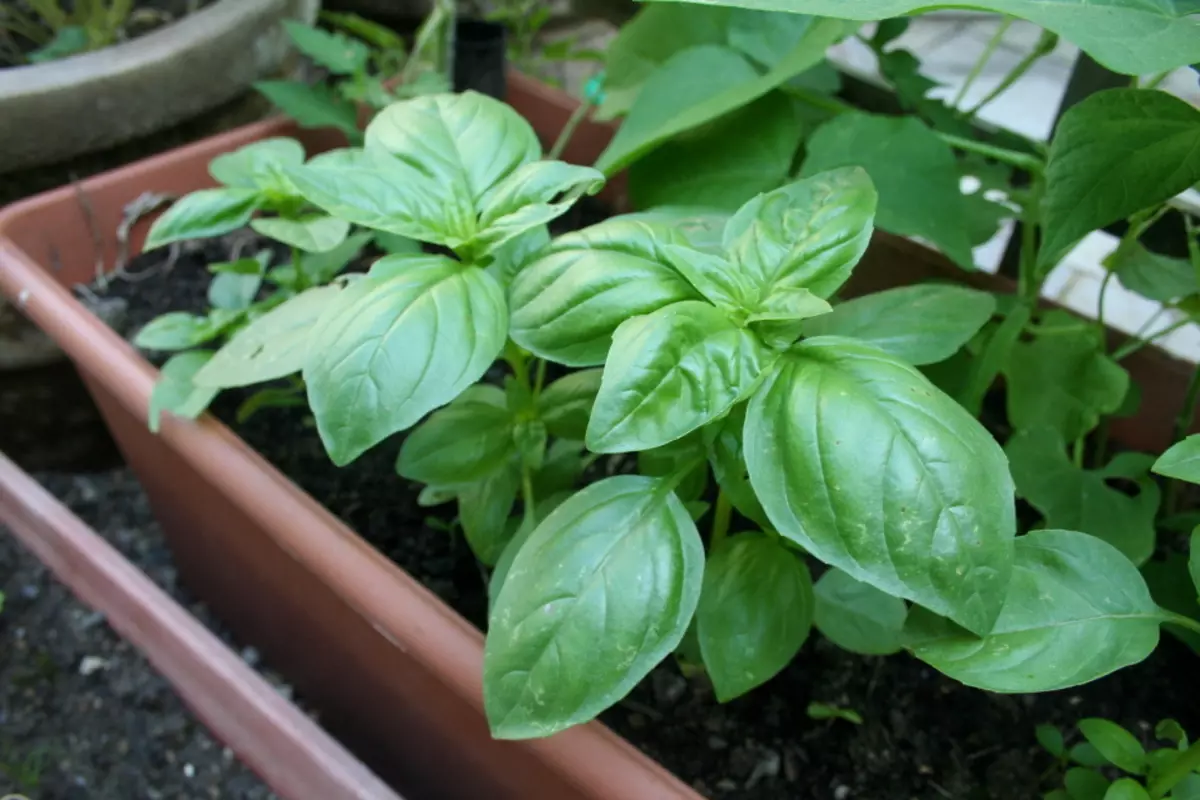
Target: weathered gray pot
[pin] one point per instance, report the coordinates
(54, 111)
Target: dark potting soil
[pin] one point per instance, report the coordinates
(922, 735)
(83, 716)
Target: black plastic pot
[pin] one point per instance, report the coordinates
(480, 58)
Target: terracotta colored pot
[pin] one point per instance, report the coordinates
(273, 737)
(395, 672)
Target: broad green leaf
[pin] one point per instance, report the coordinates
(567, 303)
(1126, 789)
(533, 194)
(723, 439)
(464, 442)
(566, 404)
(523, 531)
(1085, 755)
(1085, 784)
(397, 344)
(1187, 789)
(685, 455)
(271, 346)
(858, 617)
(1125, 36)
(312, 234)
(919, 324)
(176, 330)
(994, 356)
(395, 244)
(700, 227)
(806, 235)
(1072, 498)
(866, 465)
(483, 510)
(1153, 276)
(235, 287)
(530, 436)
(312, 106)
(601, 592)
(713, 276)
(913, 170)
(1063, 380)
(701, 84)
(669, 373)
(259, 165)
(1060, 626)
(1051, 738)
(779, 320)
(767, 37)
(702, 168)
(1181, 460)
(755, 611)
(203, 214)
(336, 52)
(1115, 153)
(512, 256)
(174, 390)
(1119, 746)
(321, 268)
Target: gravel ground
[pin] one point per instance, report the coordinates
(82, 714)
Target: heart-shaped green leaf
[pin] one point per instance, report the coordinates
(723, 439)
(858, 617)
(532, 194)
(464, 442)
(259, 165)
(566, 404)
(175, 392)
(483, 510)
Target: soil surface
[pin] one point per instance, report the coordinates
(922, 735)
(82, 714)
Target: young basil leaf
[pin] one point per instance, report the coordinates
(1115, 153)
(858, 617)
(1085, 784)
(755, 611)
(1079, 628)
(1126, 789)
(483, 509)
(269, 398)
(174, 390)
(1086, 755)
(933, 519)
(780, 318)
(236, 284)
(669, 373)
(712, 275)
(1181, 461)
(724, 441)
(312, 106)
(258, 165)
(533, 194)
(567, 304)
(312, 234)
(176, 330)
(321, 268)
(1051, 738)
(336, 52)
(529, 436)
(806, 235)
(1154, 276)
(1170, 730)
(463, 442)
(566, 404)
(686, 454)
(994, 357)
(381, 338)
(601, 591)
(563, 466)
(199, 215)
(1072, 498)
(919, 324)
(1119, 746)
(512, 256)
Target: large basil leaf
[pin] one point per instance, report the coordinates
(208, 212)
(483, 511)
(702, 83)
(913, 170)
(1073, 498)
(669, 373)
(567, 304)
(271, 346)
(316, 233)
(1076, 610)
(1114, 153)
(703, 169)
(806, 235)
(725, 453)
(869, 467)
(1181, 461)
(397, 344)
(463, 442)
(755, 612)
(176, 393)
(920, 324)
(858, 617)
(533, 194)
(258, 165)
(601, 591)
(567, 403)
(1124, 35)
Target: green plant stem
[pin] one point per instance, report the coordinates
(1154, 82)
(1180, 768)
(564, 136)
(1039, 51)
(1077, 452)
(539, 380)
(527, 495)
(720, 524)
(1108, 276)
(1029, 284)
(515, 357)
(1135, 344)
(982, 61)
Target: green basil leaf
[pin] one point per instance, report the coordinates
(702, 169)
(529, 436)
(712, 276)
(1085, 784)
(1119, 746)
(336, 52)
(931, 521)
(1127, 37)
(1187, 789)
(397, 344)
(235, 287)
(202, 214)
(463, 442)
(395, 244)
(1153, 276)
(321, 268)
(755, 611)
(700, 227)
(483, 510)
(176, 330)
(175, 392)
(723, 439)
(767, 37)
(271, 397)
(1079, 629)
(913, 170)
(669, 373)
(1051, 738)
(807, 235)
(533, 194)
(258, 165)
(1181, 460)
(567, 304)
(780, 318)
(312, 106)
(312, 234)
(919, 324)
(524, 530)
(858, 617)
(687, 454)
(1114, 153)
(271, 346)
(566, 404)
(601, 592)
(512, 256)
(1126, 789)
(1171, 587)
(1072, 498)
(563, 466)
